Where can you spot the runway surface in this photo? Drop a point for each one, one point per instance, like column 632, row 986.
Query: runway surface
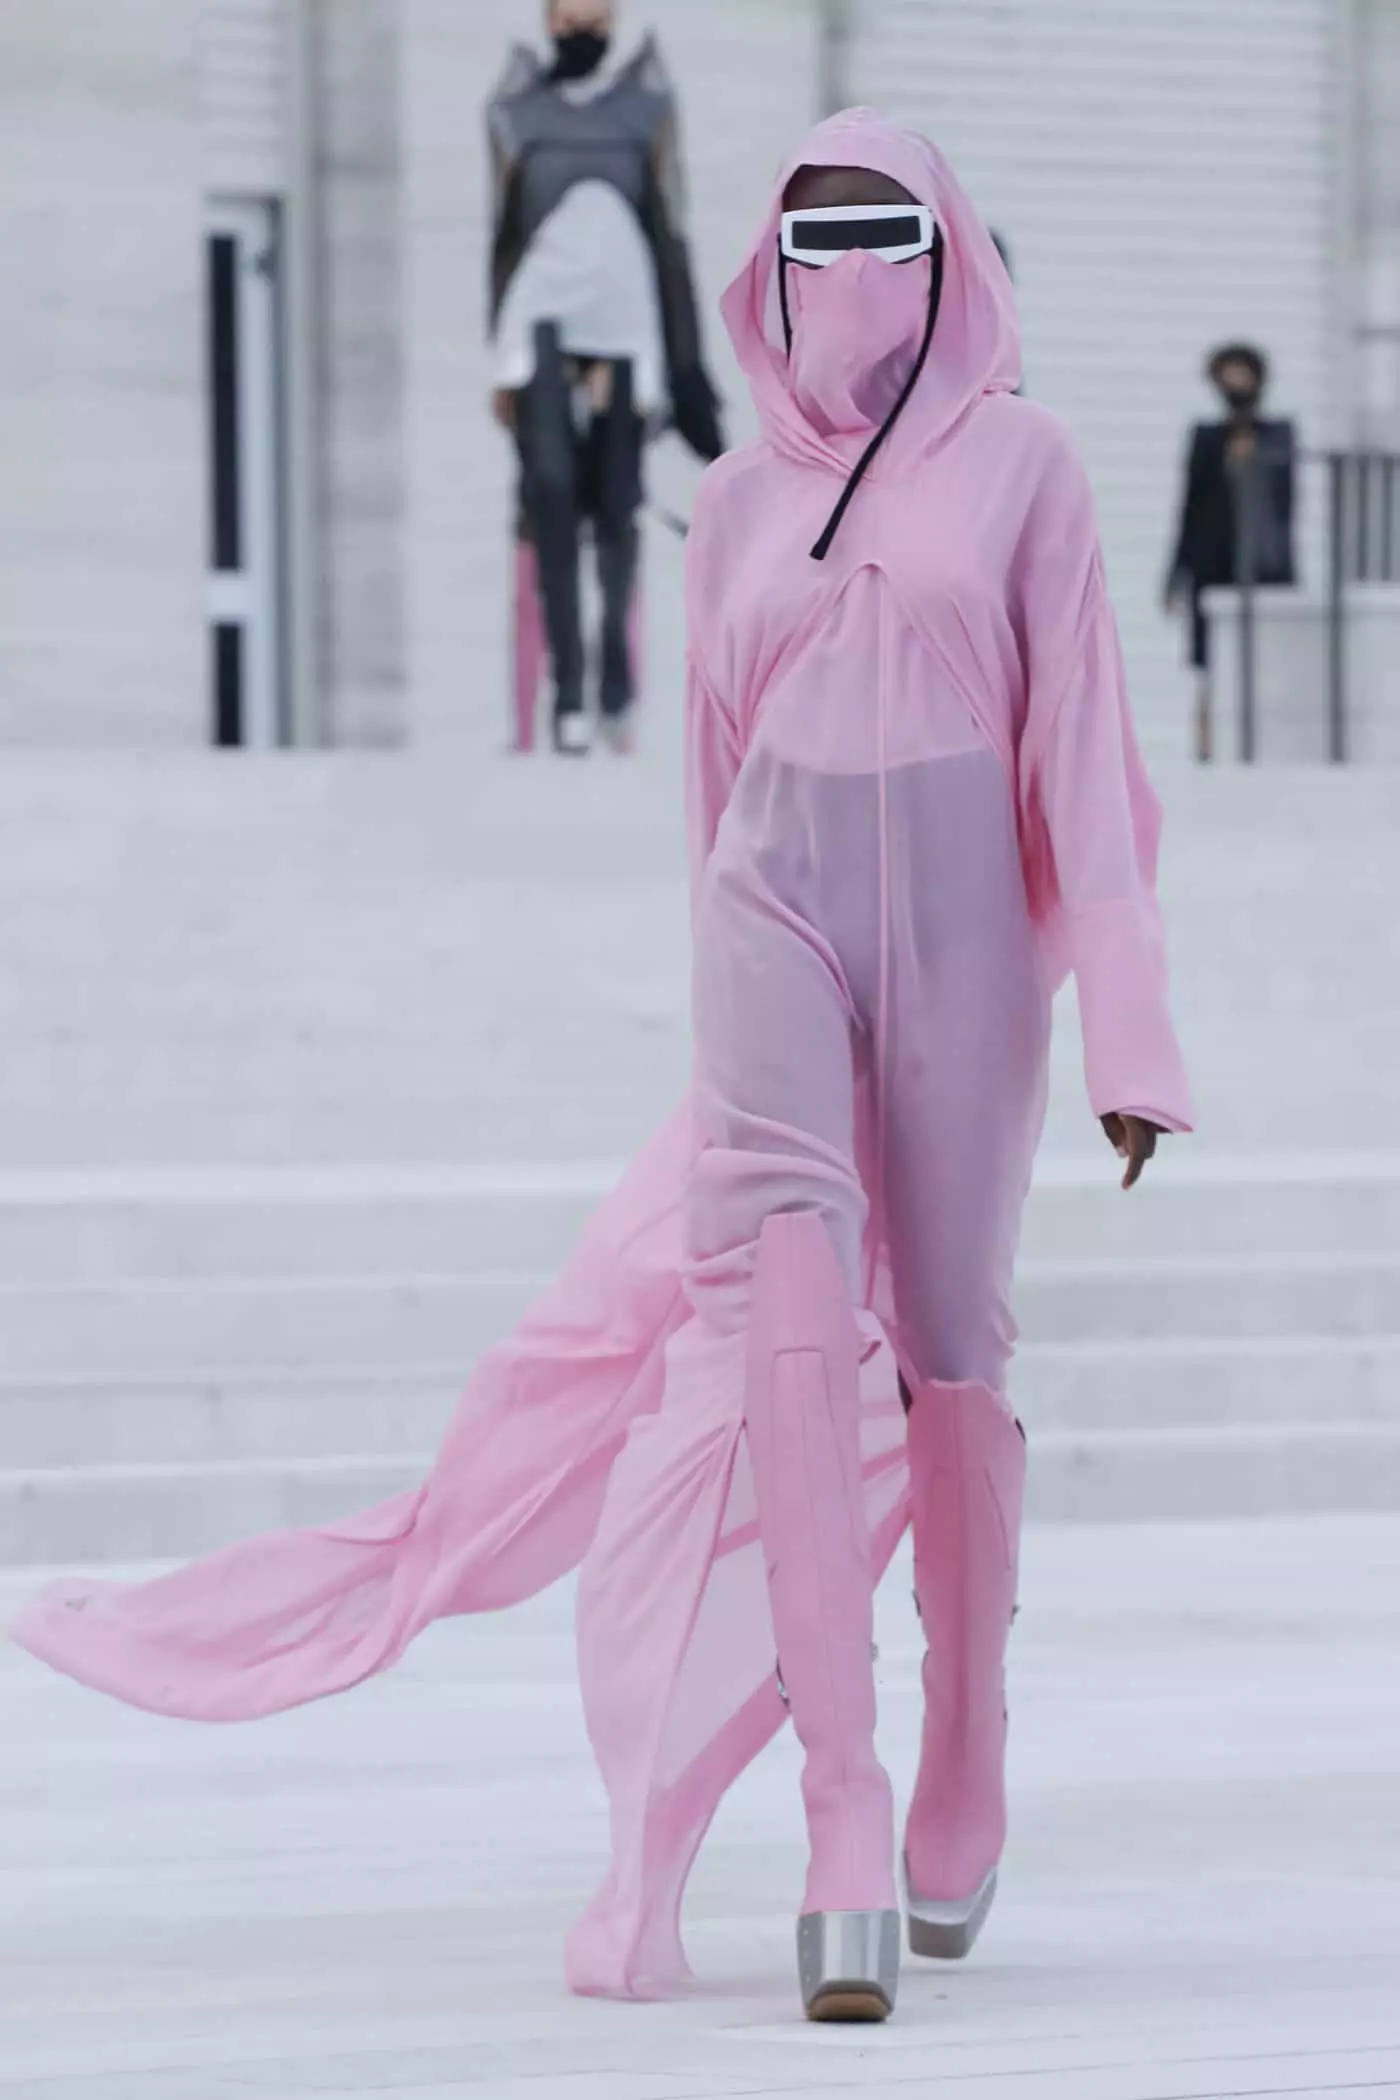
column 1202, row 1897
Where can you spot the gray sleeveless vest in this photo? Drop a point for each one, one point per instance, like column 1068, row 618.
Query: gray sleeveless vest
column 551, row 143
column 543, row 144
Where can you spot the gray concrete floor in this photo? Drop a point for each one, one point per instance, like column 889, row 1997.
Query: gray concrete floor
column 1202, row 1896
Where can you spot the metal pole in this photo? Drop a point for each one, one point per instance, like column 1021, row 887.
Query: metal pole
column 1363, row 517
column 1336, row 612
column 307, row 712
column 1246, row 494
column 834, row 21
column 1388, row 518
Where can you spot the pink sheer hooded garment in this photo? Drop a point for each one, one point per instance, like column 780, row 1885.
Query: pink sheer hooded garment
column 914, row 800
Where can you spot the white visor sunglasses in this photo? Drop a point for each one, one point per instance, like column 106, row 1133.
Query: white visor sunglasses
column 897, row 233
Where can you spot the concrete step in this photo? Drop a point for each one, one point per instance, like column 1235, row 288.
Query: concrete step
column 76, row 1514
column 162, row 1326
column 267, row 820
column 200, row 823
column 156, row 1327
column 606, row 1093
column 332, row 1413
column 87, row 1226
column 1115, row 1388
column 94, row 1226
column 314, row 986
column 338, row 960
column 93, row 1514
column 1152, row 1300
column 1121, row 1387
column 176, row 831
column 1213, row 1206
column 587, row 1108
column 323, row 960
column 1097, row 1477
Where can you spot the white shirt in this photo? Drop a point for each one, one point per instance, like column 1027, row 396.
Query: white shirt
column 589, row 271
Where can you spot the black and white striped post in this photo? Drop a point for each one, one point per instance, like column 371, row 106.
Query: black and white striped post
column 1337, row 466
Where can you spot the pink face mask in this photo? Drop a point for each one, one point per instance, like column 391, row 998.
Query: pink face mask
column 856, row 330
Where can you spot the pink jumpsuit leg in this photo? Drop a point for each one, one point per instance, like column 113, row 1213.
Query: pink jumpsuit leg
column 965, row 1101
column 776, row 1123
column 966, row 1068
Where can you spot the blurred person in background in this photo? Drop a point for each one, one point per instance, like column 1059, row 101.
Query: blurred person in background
column 1239, row 451
column 915, row 801
column 595, row 326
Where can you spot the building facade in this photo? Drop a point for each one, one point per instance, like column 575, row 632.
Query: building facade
column 201, row 381
column 250, row 493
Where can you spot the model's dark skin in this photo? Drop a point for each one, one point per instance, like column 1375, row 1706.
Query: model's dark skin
column 812, row 189
column 1133, row 1138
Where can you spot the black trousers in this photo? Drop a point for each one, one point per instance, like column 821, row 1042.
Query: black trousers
column 578, row 469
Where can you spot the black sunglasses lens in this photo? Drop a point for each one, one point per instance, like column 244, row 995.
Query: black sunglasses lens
column 834, row 236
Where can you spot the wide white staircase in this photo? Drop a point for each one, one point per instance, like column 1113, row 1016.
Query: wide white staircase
column 309, row 1070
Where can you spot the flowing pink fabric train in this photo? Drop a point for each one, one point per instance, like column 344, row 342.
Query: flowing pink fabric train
column 915, row 800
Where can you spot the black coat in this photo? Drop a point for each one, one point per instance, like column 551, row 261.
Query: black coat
column 1206, row 550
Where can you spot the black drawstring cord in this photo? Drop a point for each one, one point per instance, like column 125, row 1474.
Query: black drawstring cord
column 833, row 523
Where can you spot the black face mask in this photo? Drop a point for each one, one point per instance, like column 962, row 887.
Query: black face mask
column 1240, row 400
column 579, row 53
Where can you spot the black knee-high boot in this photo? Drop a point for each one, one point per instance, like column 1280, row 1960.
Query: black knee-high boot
column 549, row 488
column 617, row 438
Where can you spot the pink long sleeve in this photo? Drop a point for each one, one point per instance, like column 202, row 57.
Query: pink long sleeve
column 711, row 766
column 713, row 744
column 1103, row 822
column 1092, row 819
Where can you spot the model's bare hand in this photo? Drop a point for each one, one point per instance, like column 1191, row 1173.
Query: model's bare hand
column 503, row 407
column 1134, row 1139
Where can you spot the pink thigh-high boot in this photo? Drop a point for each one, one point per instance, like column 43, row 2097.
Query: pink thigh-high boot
column 967, row 1473
column 802, row 1412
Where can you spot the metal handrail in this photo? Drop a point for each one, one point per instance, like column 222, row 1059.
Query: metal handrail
column 1363, row 546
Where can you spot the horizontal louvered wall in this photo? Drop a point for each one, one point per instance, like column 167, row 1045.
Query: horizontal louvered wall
column 243, row 47
column 1167, row 175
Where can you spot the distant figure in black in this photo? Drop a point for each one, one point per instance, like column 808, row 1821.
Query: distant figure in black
column 1242, row 451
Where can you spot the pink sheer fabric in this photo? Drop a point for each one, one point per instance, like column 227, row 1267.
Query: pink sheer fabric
column 914, row 799
column 857, row 329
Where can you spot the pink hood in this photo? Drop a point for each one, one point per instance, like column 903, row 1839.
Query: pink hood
column 976, row 346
